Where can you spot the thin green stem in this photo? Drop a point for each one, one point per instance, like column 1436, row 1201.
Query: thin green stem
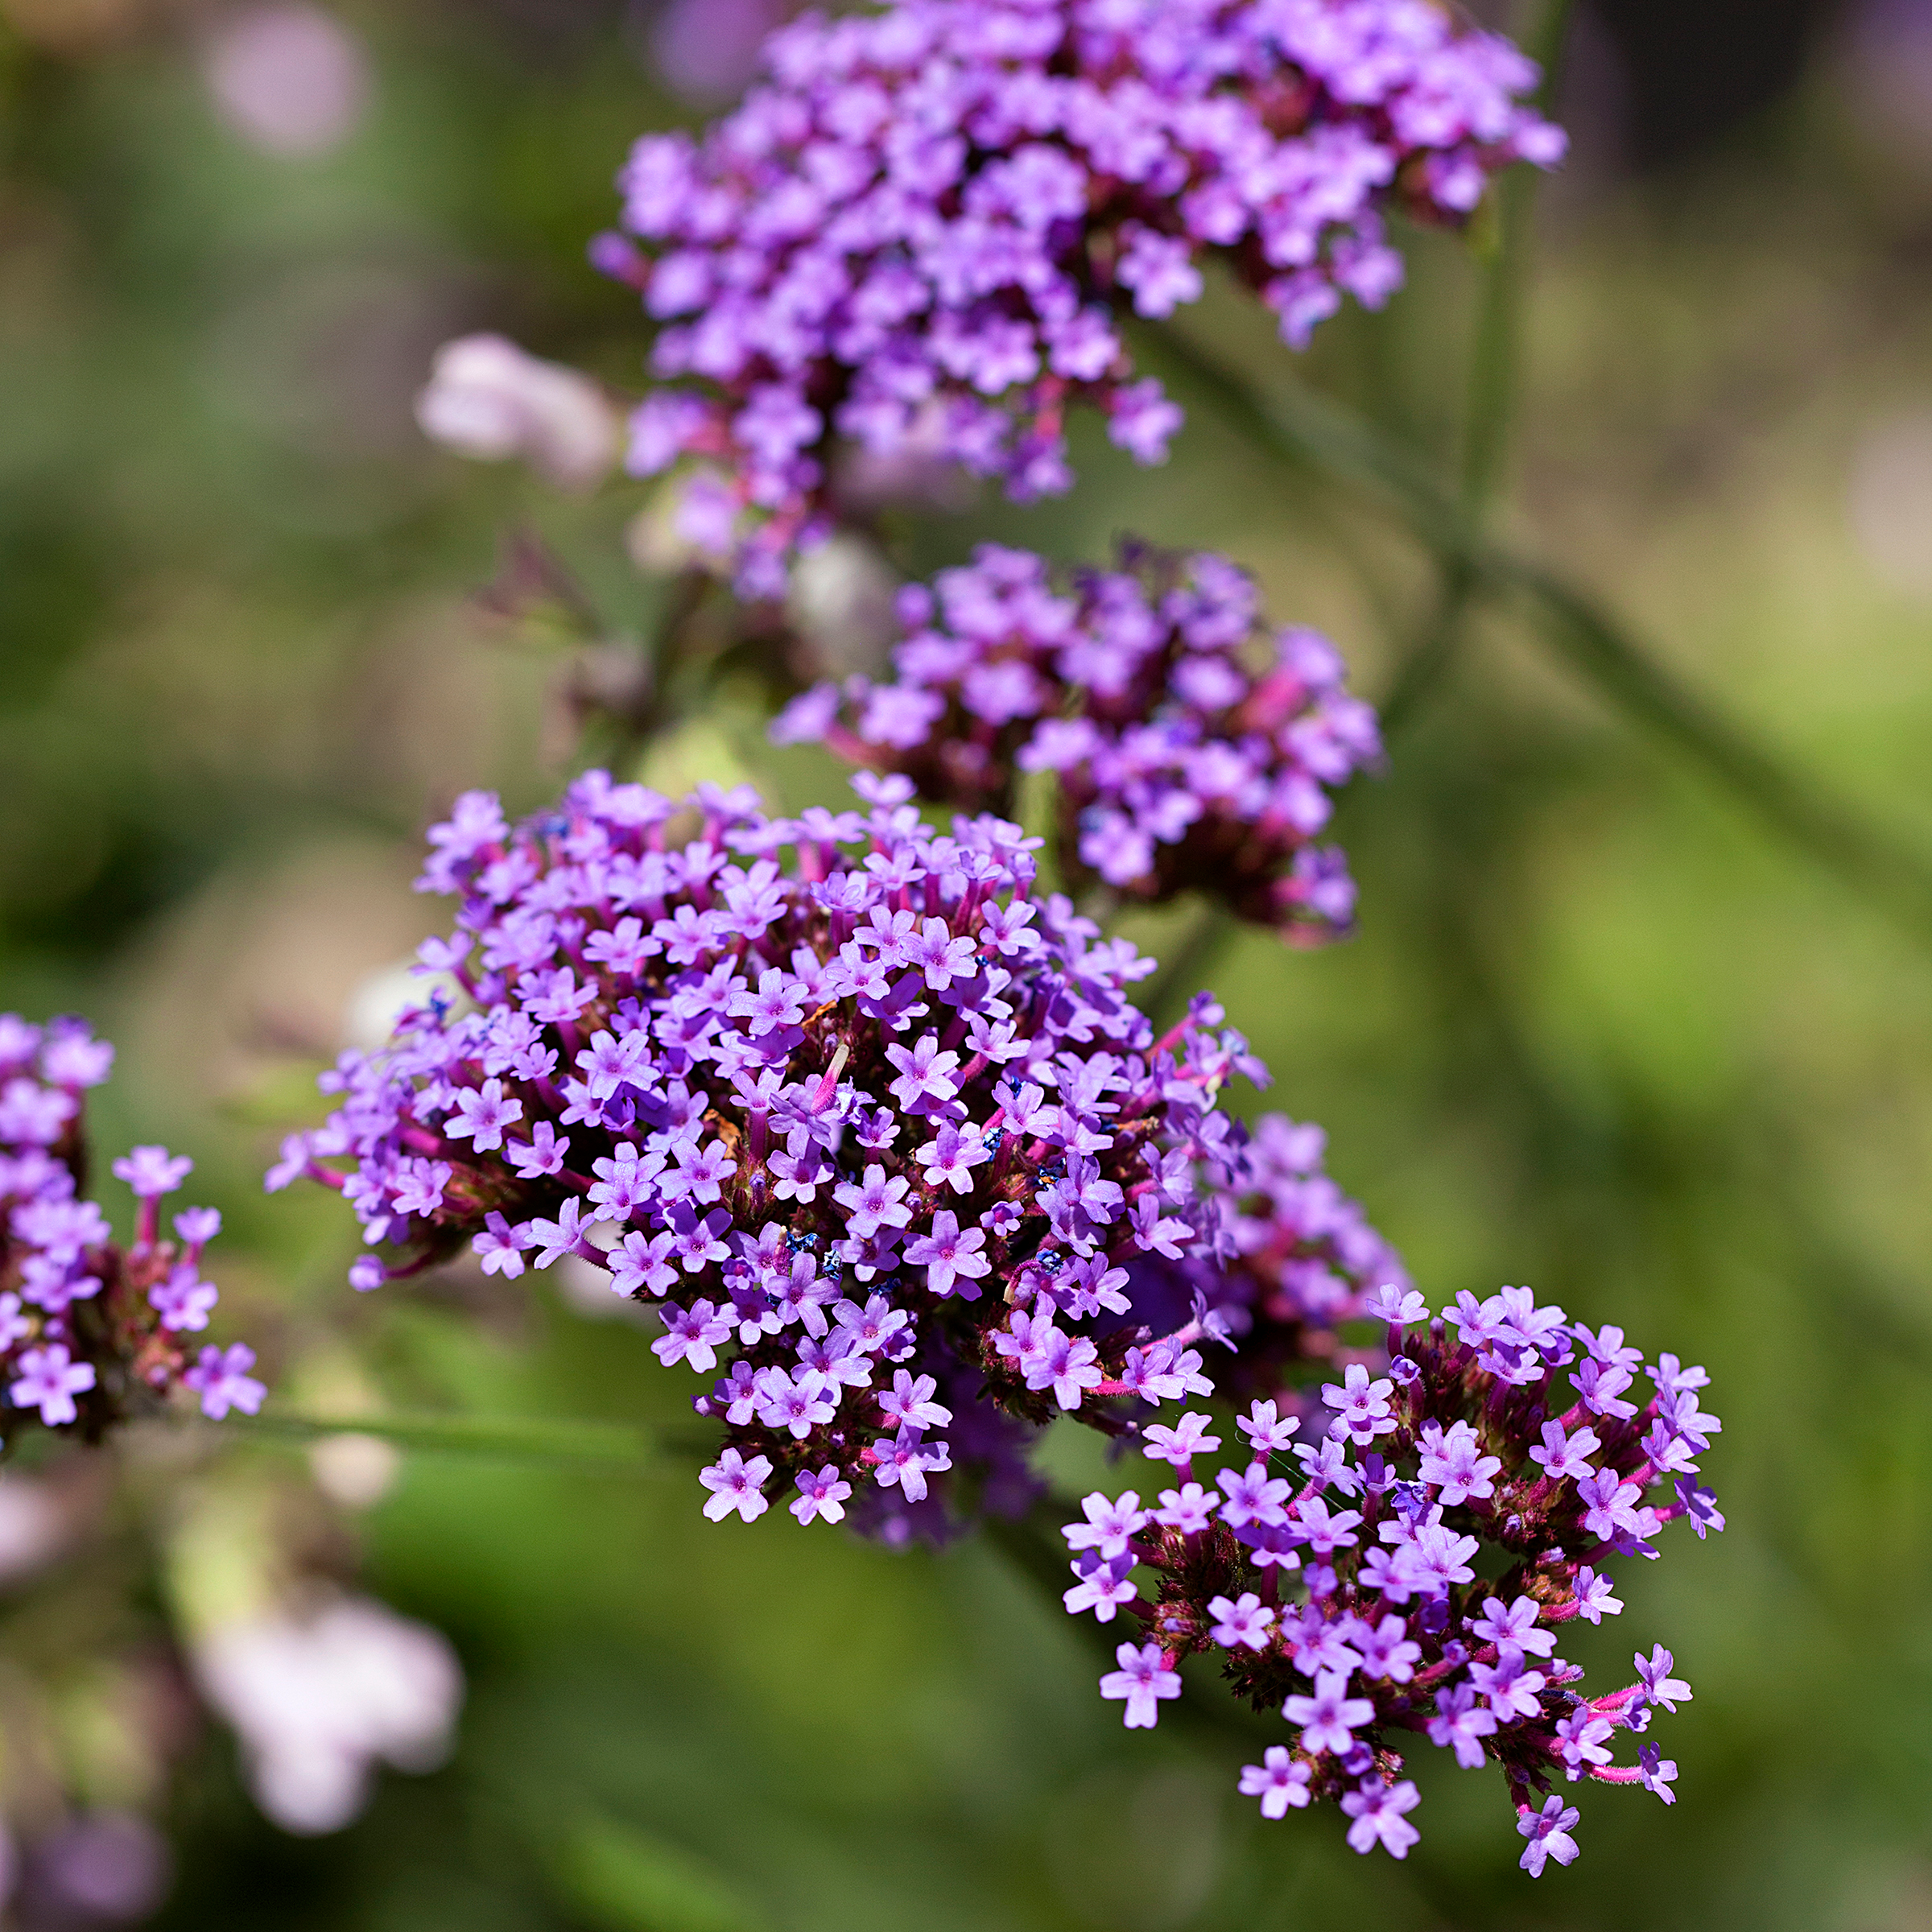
column 615, row 1446
column 1493, row 385
column 1310, row 431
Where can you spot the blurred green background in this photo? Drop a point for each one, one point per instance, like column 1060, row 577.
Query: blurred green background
column 1601, row 1031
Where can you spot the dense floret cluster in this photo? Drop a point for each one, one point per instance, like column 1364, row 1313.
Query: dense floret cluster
column 923, row 228
column 878, row 1131
column 1193, row 748
column 1407, row 1568
column 92, row 1332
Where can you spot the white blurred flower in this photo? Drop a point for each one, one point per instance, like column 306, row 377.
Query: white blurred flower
column 841, row 602
column 489, row 399
column 317, row 1703
column 355, row 1470
column 381, row 998
column 33, row 1526
column 288, row 78
column 1891, row 502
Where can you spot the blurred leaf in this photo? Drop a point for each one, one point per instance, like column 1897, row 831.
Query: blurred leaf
column 1309, row 430
column 536, row 1439
column 620, row 1879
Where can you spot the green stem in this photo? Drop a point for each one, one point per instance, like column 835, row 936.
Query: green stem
column 523, row 1439
column 1492, row 387
column 1493, row 359
column 1310, row 431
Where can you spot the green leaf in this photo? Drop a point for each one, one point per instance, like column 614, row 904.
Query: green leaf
column 618, row 1878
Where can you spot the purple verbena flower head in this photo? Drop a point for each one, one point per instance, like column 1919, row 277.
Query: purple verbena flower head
column 923, row 230
column 90, row 1328
column 1192, row 748
column 869, row 1125
column 1413, row 1579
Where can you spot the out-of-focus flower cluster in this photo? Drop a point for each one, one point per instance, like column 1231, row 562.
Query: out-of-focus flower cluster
column 1193, row 749
column 879, row 1131
column 1407, row 1568
column 318, row 1699
column 923, row 228
column 92, row 1332
column 489, row 399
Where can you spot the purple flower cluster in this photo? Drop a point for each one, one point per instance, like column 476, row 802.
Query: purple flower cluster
column 923, row 228
column 1193, row 748
column 92, row 1332
column 1409, row 1568
column 1297, row 1259
column 878, row 1131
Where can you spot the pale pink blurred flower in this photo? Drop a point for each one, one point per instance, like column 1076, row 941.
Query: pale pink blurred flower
column 317, row 1703
column 33, row 1526
column 1891, row 502
column 489, row 399
column 103, row 1867
column 707, row 50
column 288, row 78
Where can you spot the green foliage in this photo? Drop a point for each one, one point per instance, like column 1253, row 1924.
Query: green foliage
column 1609, row 1027
column 615, row 1878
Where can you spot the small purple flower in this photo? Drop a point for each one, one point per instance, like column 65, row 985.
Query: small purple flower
column 1361, row 1406
column 735, row 1484
column 1188, row 1509
column 1461, row 1723
column 1660, row 1687
column 1111, row 1524
column 48, row 1380
column 221, row 1378
column 1595, row 1596
column 1104, row 1584
column 1511, row 1689
column 1516, row 1625
column 1548, row 1831
column 182, row 1300
column 1327, row 1717
column 1144, row 1679
column 481, row 1115
column 500, row 1248
column 1243, row 1621
column 1378, row 1812
column 151, row 1172
column 1267, row 1432
column 821, row 1493
column 1656, row 1772
column 1566, row 1456
column 1180, row 1444
column 954, row 1258
column 1278, row 1780
column 692, row 1335
column 906, row 1459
